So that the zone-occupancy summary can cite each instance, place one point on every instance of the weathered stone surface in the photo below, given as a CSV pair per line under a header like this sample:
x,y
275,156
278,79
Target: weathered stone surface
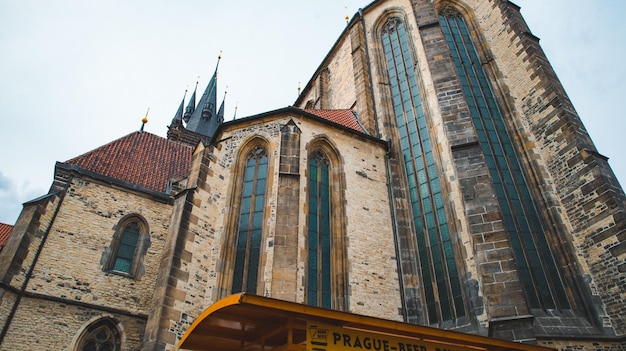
x,y
59,242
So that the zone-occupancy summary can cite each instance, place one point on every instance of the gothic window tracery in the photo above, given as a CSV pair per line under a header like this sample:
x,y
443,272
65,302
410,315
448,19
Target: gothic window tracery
x,y
251,217
441,286
536,266
100,336
325,275
319,233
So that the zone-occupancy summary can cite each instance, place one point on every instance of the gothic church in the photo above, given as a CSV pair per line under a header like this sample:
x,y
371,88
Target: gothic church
x,y
433,171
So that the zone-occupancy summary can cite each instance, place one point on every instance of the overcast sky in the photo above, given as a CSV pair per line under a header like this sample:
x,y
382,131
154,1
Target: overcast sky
x,y
77,74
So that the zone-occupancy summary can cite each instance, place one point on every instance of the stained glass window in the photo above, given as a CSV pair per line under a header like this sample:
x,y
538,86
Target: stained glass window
x,y
319,233
101,336
441,285
248,240
536,266
126,248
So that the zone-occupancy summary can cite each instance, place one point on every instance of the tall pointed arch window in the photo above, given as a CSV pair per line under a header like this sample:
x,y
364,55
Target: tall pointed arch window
x,y
319,289
440,276
250,228
536,266
130,242
326,274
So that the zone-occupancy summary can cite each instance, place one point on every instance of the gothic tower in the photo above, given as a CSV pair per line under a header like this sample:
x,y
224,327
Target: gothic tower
x,y
193,124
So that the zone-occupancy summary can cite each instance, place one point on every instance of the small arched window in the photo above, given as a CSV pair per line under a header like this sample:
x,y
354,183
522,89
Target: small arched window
x,y
130,242
126,248
102,335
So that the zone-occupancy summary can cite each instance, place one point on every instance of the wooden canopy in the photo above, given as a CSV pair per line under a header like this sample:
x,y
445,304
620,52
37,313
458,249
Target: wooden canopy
x,y
248,322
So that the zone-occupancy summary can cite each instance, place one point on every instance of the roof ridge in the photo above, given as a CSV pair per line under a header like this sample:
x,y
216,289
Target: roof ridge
x,y
344,117
127,136
105,145
140,158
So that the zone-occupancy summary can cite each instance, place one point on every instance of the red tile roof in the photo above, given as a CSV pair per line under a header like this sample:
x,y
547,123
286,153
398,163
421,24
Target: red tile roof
x,y
5,230
346,118
139,158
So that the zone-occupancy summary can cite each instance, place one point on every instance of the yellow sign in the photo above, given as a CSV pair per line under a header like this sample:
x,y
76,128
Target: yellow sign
x,y
321,337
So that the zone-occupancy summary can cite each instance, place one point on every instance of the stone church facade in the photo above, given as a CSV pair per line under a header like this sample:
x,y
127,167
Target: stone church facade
x,y
432,171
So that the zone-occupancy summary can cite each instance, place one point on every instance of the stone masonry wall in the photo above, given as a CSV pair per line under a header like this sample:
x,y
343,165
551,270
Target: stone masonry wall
x,y
577,192
447,122
374,17
341,95
334,85
373,290
490,248
284,280
83,228
61,296
576,182
372,272
40,324
573,345
18,255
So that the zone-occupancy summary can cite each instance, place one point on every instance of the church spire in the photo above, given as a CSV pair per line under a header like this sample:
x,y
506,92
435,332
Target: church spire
x,y
179,113
191,105
220,112
201,120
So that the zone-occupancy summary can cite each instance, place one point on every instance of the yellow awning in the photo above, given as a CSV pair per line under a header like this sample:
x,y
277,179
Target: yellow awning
x,y
248,322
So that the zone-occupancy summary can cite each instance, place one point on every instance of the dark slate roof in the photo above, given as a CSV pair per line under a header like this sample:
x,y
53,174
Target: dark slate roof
x,y
346,118
5,230
139,158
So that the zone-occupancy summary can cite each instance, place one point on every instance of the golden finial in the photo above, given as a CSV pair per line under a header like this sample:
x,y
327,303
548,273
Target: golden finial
x,y
299,89
219,57
347,17
236,107
144,120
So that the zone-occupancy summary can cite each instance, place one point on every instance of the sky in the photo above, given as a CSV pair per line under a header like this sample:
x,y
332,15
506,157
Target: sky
x,y
77,74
